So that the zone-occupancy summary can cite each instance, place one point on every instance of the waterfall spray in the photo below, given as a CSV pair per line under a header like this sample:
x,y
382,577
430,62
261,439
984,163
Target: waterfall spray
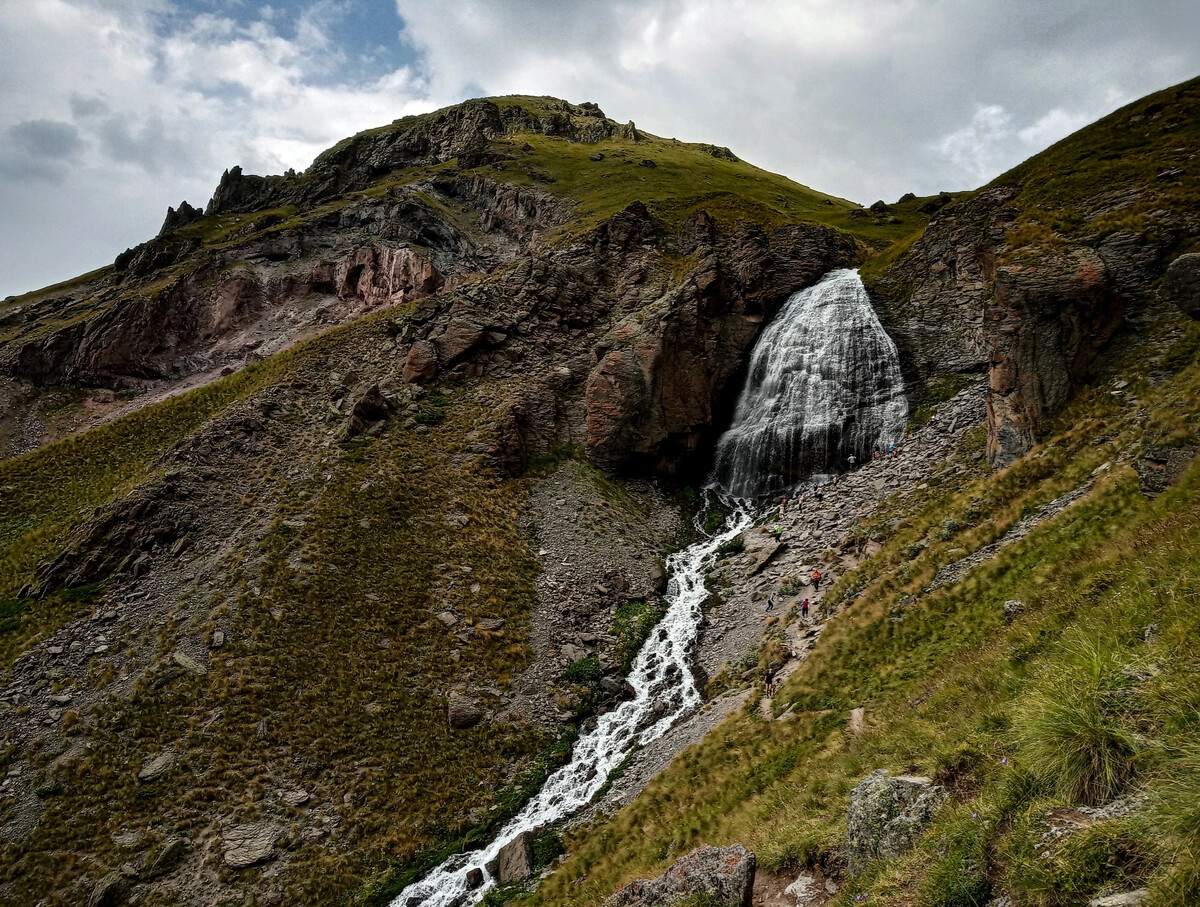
x,y
824,384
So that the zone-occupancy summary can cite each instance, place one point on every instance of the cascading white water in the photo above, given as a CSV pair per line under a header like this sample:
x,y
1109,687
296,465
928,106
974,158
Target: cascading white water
x,y
801,408
824,384
664,689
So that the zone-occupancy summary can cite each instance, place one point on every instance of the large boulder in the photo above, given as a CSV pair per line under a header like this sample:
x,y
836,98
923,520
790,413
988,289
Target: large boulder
x,y
462,711
110,891
723,876
514,862
1181,286
248,844
887,815
421,364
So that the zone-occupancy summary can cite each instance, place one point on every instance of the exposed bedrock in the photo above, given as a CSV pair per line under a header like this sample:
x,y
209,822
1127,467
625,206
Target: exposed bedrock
x,y
171,311
972,295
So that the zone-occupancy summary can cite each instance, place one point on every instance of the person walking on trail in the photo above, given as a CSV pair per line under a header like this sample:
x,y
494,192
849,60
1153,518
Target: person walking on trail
x,y
853,460
816,578
778,532
783,506
770,602
770,682
804,609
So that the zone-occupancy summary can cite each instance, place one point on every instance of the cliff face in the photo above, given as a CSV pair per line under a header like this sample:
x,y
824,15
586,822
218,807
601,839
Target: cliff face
x,y
1031,276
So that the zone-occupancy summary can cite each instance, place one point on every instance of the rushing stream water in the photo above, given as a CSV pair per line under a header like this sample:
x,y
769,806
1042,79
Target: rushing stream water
x,y
824,380
664,688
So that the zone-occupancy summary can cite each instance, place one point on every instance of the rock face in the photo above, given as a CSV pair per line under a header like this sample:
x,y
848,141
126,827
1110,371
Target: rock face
x,y
514,862
954,303
1181,286
887,815
723,874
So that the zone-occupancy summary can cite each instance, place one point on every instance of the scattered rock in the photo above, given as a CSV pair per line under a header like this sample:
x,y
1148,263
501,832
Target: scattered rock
x,y
723,874
857,720
158,766
1124,899
1161,467
474,878
1181,286
421,364
1012,609
491,624
805,891
295,797
110,891
462,711
164,858
514,862
658,579
187,663
887,815
246,845
449,618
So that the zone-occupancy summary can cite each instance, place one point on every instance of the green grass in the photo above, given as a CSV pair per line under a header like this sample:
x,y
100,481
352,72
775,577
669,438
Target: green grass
x,y
1113,164
952,691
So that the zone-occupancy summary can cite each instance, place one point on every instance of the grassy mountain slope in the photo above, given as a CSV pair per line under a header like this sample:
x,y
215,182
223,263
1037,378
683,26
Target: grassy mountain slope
x,y
1094,683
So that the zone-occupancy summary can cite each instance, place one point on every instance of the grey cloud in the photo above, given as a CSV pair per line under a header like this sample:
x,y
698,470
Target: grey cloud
x,y
39,149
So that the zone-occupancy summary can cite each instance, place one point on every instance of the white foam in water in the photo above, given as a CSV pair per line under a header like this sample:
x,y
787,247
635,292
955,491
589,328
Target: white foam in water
x,y
824,384
664,688
824,381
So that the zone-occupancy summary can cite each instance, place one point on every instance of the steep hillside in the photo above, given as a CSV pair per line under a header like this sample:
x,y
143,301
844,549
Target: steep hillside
x,y
330,579
392,214
332,515
1024,638
1031,276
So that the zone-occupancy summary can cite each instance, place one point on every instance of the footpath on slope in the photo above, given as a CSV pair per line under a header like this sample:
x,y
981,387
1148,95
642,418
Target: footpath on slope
x,y
734,628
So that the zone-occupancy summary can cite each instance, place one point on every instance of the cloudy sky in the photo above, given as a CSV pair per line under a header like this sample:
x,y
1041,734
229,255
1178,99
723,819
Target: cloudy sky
x,y
110,110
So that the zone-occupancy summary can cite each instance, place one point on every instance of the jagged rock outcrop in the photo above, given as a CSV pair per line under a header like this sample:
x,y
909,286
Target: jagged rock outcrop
x,y
887,815
462,131
180,217
722,876
643,369
1044,326
227,305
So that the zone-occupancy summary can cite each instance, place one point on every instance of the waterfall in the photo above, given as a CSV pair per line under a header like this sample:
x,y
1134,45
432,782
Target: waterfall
x,y
824,384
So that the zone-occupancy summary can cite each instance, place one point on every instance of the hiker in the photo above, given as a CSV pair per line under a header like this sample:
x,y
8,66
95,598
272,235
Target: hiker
x,y
770,681
770,602
778,532
892,450
853,460
816,579
875,456
783,505
804,609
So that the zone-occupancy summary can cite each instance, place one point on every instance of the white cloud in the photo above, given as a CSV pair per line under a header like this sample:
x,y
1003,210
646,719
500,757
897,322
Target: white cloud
x,y
862,98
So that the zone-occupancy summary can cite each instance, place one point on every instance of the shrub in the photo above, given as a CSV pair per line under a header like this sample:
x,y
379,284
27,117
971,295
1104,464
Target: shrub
x,y
735,545
1075,727
585,670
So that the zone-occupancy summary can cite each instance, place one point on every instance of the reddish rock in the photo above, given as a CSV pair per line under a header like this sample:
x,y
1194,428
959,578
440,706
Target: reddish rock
x,y
421,364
